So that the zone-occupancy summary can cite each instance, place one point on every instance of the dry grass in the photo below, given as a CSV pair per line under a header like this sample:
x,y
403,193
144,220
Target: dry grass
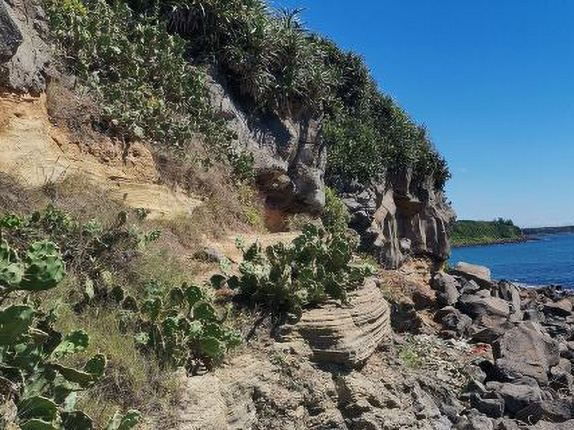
x,y
132,380
227,206
79,115
4,120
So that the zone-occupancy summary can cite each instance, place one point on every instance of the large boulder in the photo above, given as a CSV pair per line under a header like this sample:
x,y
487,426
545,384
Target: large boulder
x,y
454,322
447,286
560,308
507,291
553,410
526,351
479,274
490,315
484,308
517,395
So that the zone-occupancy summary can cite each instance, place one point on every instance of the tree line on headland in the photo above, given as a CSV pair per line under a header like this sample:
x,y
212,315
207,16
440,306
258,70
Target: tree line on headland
x,y
467,232
501,230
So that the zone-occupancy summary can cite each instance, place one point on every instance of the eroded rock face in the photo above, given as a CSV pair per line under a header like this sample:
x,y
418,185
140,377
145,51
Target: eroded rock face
x,y
289,152
345,335
402,217
24,57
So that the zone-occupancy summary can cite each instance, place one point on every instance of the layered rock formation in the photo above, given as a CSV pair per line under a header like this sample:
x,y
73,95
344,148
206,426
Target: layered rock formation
x,y
403,217
349,334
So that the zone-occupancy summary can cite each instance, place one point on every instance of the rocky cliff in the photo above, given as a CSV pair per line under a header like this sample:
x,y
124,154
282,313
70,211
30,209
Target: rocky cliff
x,y
403,216
400,217
288,150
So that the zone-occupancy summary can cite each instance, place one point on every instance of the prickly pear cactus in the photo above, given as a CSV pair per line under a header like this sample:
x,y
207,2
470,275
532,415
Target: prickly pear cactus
x,y
41,269
317,266
183,328
32,376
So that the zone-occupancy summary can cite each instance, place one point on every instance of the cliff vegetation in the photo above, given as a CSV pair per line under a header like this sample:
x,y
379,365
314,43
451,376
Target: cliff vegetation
x,y
485,232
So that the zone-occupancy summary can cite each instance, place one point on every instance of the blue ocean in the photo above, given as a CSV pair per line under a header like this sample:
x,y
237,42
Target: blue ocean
x,y
542,261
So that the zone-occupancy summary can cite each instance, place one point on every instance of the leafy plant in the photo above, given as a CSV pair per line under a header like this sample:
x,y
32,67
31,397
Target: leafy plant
x,y
91,249
316,267
335,216
180,326
140,75
270,58
33,373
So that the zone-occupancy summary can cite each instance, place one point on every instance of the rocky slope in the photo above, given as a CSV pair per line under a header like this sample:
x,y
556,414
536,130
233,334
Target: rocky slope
x,y
401,217
495,358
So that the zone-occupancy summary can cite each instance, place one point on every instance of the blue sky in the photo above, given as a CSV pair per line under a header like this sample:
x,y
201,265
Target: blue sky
x,y
494,82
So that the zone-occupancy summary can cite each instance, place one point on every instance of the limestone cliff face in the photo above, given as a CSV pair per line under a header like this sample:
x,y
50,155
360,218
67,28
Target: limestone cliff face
x,y
402,217
289,152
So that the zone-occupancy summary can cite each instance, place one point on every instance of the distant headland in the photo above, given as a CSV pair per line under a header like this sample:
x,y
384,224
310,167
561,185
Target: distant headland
x,y
471,233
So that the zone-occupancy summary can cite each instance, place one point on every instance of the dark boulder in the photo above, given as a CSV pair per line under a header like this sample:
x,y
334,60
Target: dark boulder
x,y
493,408
453,320
507,291
526,351
553,410
469,287
561,308
479,274
447,287
518,395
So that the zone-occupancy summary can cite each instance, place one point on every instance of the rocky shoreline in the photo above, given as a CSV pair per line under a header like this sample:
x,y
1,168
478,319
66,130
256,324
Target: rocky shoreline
x,y
524,379
413,349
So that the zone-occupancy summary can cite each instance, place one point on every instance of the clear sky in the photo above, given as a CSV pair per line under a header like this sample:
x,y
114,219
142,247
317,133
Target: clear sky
x,y
494,82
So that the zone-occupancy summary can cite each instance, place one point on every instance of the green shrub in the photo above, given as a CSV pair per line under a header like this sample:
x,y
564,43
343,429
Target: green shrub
x,y
271,59
140,75
316,267
95,252
179,325
335,216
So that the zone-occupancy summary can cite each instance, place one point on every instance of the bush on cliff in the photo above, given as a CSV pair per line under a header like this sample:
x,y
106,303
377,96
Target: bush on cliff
x,y
143,327
285,278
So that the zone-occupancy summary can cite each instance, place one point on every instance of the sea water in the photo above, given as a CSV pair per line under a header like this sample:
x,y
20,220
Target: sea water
x,y
542,261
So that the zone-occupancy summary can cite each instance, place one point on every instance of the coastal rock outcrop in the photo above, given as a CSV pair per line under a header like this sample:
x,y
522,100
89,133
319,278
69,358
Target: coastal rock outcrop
x,y
289,151
405,216
346,334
